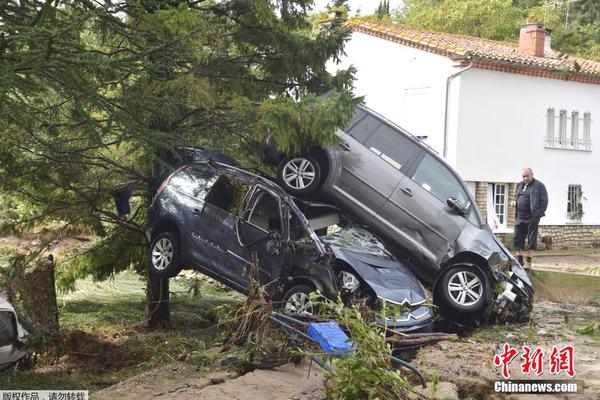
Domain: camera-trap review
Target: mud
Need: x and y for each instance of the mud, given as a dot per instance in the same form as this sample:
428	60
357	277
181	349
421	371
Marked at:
182	381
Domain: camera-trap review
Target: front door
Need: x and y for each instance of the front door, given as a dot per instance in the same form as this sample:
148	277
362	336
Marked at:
258	240
418	211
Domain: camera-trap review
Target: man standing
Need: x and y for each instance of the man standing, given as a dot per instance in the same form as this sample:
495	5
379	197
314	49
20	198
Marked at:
531	201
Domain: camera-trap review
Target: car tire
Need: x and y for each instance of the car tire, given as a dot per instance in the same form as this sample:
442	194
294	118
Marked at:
164	255
296	300
300	175
463	290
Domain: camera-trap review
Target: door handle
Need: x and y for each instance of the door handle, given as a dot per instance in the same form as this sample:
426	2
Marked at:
407	192
196	211
345	146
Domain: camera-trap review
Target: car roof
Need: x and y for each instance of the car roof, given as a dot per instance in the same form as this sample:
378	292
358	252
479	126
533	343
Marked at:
244	176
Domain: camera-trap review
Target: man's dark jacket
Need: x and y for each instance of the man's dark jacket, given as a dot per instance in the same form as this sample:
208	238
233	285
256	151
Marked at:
538	198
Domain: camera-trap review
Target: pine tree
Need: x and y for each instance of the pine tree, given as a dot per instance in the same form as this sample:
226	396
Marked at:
94	94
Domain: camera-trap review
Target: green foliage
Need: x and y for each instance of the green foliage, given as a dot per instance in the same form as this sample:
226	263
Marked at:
368	372
589	329
575	27
383	10
95	95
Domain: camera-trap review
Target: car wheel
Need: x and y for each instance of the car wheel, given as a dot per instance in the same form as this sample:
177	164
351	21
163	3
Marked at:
463	290
297	300
300	175
164	255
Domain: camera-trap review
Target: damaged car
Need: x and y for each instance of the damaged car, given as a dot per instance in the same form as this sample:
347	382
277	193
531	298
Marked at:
409	196
12	336
223	221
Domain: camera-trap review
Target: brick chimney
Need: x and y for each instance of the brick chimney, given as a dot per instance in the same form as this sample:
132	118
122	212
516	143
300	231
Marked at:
532	39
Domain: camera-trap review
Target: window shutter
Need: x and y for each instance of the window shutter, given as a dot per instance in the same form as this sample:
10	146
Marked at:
550	118
587	124
575	129
562	128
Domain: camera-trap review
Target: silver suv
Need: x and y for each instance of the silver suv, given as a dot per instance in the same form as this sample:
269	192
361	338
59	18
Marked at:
407	194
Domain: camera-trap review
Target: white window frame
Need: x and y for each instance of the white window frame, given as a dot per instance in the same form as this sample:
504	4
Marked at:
568	130
498	223
574	194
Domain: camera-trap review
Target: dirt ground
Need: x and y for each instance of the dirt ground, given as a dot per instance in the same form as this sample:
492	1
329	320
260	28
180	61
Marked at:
585	263
464	368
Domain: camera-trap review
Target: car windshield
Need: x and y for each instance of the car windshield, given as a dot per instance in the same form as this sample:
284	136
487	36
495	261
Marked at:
335	229
358	239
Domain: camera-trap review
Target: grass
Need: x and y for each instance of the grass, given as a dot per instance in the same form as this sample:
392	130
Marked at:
103	339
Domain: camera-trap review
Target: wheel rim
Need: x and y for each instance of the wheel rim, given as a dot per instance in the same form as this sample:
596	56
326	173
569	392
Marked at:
299	173
465	288
299	303
162	254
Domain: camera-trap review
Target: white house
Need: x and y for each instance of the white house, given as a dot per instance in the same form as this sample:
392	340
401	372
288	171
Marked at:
490	108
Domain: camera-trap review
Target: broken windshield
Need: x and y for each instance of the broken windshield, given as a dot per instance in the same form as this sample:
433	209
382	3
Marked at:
357	239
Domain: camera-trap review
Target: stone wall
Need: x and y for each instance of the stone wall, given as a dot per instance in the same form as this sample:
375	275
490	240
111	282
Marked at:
563	236
572	235
481	198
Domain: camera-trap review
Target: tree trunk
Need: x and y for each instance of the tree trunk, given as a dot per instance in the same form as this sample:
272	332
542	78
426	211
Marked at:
158	310
34	295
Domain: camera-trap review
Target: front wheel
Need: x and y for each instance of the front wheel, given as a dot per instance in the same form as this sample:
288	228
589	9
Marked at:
297	300
463	290
164	255
300	175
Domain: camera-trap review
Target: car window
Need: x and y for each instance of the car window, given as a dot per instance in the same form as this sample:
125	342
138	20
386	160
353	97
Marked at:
364	128
355	118
229	194
265	213
194	182
8	328
438	180
392	146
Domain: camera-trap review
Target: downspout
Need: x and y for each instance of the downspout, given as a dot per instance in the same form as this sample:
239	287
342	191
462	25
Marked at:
446	105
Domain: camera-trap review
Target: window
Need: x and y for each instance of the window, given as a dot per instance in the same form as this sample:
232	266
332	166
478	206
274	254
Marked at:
568	130
228	194
194	182
437	179
399	151
8	328
364	128
266	213
574	204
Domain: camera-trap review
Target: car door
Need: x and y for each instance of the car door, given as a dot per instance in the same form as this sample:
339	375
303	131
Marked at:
199	223
259	238
422	220
372	161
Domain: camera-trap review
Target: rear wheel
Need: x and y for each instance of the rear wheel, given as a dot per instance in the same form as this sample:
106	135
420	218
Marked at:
463	290
300	175
297	300
164	255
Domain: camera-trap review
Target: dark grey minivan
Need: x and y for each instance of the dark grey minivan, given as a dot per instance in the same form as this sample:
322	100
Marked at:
222	220
420	206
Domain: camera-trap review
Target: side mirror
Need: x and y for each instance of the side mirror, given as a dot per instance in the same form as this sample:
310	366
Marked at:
457	206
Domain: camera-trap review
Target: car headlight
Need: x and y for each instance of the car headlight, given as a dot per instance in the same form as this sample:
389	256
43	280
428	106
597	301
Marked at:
349	281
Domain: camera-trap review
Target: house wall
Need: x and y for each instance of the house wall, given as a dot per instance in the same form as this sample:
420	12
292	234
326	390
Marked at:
502	127
406	85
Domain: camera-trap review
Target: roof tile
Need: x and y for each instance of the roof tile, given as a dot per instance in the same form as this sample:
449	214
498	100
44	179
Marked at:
483	49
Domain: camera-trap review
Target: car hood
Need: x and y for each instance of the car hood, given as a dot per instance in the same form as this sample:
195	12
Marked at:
390	280
484	243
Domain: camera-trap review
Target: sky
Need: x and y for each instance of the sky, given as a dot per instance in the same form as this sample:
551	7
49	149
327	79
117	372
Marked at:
365	6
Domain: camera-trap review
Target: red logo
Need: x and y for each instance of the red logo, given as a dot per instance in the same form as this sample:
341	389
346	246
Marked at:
505	358
561	360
